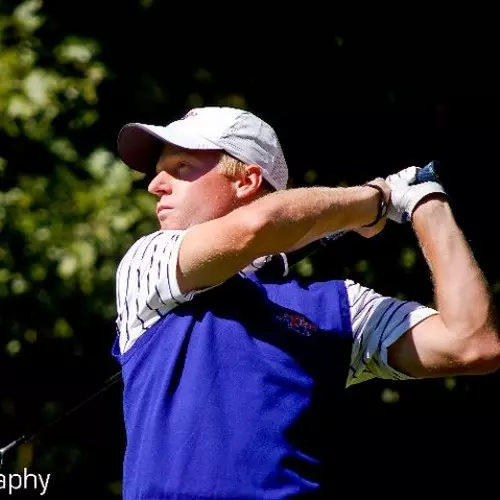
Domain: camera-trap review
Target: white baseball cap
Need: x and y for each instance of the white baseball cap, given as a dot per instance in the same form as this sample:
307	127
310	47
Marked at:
237	132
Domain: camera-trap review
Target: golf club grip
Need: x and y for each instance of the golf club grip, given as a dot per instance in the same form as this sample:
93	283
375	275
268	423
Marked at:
429	173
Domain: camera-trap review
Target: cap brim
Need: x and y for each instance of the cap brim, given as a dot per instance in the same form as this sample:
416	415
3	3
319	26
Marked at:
140	145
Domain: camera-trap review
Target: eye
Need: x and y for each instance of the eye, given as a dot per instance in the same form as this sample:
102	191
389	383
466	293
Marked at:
183	168
177	168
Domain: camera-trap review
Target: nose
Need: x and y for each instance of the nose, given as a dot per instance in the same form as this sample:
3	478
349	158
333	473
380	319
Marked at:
160	184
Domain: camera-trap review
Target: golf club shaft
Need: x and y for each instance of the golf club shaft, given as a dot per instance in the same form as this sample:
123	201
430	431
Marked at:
41	430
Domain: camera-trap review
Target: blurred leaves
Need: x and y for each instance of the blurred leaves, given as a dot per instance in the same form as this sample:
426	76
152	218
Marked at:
32	96
450	383
13	347
408	258
26	16
71	224
67	214
389	396
24	457
310	176
305	267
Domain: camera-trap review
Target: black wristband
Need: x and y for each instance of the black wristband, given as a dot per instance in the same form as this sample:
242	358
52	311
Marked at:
382	205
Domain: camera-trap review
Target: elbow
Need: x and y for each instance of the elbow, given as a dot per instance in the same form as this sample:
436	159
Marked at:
490	360
253	241
482	356
263	235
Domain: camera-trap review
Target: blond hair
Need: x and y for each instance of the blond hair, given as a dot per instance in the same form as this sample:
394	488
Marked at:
231	167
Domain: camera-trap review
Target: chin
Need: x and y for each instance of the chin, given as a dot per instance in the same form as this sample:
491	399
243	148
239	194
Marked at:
165	226
172	225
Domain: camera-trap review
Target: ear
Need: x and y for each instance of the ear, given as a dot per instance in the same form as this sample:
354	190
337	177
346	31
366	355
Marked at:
248	183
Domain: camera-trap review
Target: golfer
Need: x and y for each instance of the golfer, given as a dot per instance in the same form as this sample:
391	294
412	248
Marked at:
231	375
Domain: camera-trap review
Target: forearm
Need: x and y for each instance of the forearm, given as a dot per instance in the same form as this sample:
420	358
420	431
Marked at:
292	218
461	290
279	222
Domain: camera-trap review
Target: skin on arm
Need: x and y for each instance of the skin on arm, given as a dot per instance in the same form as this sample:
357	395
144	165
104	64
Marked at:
463	338
278	222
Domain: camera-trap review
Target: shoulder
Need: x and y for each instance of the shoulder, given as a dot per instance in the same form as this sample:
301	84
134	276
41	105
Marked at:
162	235
146	284
378	320
366	300
155	239
356	290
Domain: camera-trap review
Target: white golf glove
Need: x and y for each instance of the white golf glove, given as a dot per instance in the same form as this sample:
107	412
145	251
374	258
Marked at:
405	194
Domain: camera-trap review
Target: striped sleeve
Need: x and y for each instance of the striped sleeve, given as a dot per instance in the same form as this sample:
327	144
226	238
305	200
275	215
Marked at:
146	285
377	322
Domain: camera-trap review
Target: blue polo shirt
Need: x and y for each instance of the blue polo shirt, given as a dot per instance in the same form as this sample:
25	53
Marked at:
231	395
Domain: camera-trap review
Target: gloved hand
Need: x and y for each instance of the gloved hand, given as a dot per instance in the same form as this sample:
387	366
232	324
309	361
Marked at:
405	195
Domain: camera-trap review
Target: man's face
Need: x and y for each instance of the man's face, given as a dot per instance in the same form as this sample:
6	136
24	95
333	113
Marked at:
190	189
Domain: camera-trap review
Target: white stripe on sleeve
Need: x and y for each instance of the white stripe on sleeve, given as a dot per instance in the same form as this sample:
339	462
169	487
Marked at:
377	322
146	284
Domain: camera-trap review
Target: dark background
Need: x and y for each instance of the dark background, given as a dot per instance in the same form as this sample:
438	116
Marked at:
350	102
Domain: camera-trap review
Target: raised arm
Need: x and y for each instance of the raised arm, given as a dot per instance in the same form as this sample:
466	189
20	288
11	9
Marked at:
464	337
215	250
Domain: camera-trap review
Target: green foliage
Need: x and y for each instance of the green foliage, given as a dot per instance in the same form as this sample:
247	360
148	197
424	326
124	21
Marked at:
67	215
33	96
71	224
305	267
